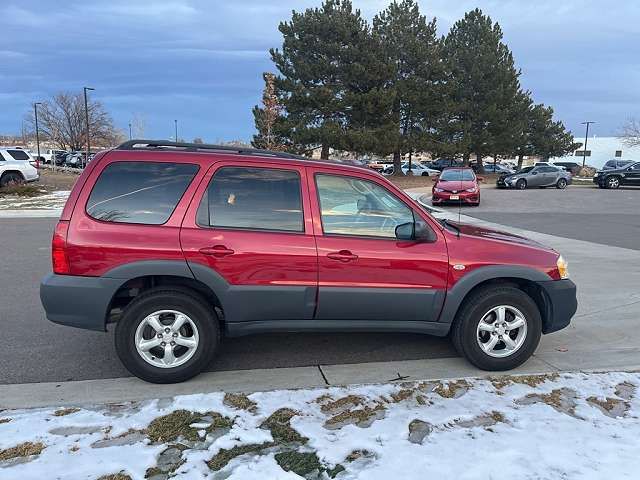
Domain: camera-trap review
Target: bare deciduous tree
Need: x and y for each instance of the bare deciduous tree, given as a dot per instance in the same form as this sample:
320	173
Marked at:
62	121
631	133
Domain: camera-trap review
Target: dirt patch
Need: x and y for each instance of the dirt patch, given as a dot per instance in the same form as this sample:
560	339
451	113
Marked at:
348	402
485	420
530	380
611	407
23	450
4	420
358	454
65	411
419	430
562	400
52	180
239	401
169	461
279	424
224	456
410	181
402	395
360	417
452	389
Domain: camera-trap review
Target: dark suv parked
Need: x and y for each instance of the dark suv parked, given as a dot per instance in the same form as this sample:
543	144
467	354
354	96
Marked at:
629	174
180	244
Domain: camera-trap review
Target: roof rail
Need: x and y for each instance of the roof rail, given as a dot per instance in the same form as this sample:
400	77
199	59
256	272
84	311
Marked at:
195	147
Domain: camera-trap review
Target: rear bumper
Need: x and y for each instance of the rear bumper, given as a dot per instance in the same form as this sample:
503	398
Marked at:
561	303
81	302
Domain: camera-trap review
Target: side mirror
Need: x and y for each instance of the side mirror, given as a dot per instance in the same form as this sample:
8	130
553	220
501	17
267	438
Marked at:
534	173
405	231
480	179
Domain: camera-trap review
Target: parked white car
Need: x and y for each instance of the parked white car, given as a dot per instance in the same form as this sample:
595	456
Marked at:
16	166
417	169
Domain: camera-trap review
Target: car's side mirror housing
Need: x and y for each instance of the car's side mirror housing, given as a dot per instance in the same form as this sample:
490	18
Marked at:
405	231
534	173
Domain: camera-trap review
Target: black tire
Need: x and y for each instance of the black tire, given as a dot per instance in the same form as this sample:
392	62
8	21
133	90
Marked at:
521	184
612	182
201	312
562	183
425	174
9	178
464	329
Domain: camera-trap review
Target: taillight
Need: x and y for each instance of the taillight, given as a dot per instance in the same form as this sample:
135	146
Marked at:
59	249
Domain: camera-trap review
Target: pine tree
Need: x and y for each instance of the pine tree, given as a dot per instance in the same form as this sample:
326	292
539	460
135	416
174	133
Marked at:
268	118
409	46
483	86
548	137
330	82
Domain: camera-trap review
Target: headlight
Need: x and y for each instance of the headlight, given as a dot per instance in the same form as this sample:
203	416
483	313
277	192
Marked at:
438	190
563	267
597	174
471	190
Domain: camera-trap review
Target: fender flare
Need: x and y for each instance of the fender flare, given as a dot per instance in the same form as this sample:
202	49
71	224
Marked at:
459	291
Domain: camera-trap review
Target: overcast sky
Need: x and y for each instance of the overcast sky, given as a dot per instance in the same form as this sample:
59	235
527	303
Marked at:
200	61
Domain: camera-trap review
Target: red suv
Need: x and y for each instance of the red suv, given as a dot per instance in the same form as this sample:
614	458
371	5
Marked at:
178	245
458	185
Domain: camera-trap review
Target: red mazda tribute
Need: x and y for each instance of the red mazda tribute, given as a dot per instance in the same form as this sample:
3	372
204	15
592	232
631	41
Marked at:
178	245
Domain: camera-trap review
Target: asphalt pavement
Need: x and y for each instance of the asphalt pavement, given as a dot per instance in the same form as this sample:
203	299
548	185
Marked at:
35	350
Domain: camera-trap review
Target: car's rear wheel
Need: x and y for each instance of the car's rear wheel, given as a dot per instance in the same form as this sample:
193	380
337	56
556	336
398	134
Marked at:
561	183
521	184
11	178
497	328
613	182
167	335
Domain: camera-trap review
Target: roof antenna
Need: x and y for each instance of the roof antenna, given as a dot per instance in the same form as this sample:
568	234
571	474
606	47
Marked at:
461	172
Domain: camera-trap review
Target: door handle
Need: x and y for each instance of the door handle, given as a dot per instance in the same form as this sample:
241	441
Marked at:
217	251
342	256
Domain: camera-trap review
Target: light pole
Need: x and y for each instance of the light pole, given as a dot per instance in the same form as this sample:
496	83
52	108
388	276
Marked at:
86	115
35	113
175	122
586	139
129	130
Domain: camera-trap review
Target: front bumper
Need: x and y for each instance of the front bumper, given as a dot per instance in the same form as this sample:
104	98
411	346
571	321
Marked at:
82	302
463	197
561	304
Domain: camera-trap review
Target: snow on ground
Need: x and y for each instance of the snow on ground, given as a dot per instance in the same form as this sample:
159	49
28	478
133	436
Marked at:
46	201
567	426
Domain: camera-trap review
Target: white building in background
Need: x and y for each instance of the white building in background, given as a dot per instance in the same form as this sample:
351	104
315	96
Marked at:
601	149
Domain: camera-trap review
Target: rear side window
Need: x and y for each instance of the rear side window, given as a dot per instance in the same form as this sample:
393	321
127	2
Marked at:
253	199
18	154
139	192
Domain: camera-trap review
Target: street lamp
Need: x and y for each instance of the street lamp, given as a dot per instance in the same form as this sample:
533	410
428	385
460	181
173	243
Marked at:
86	115
175	122
35	112
586	139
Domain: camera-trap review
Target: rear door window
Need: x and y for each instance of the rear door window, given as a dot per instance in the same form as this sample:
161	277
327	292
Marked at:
18	154
250	198
139	192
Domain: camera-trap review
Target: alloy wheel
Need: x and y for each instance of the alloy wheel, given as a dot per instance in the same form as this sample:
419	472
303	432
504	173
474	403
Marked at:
166	339
502	331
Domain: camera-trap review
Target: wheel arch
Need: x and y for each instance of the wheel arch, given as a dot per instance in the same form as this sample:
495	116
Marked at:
523	278
12	171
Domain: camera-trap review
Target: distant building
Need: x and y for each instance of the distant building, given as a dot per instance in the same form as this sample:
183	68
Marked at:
599	150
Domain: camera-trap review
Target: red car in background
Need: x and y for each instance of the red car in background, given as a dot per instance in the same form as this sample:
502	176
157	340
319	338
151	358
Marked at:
456	185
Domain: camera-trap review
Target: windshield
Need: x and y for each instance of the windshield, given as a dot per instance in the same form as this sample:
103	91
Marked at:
457	175
525	170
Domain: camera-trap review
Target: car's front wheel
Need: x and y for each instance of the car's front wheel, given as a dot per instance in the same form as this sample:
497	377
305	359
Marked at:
167	335
497	328
521	184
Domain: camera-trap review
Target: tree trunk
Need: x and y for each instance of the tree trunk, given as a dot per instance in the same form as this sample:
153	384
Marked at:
397	163
324	153
465	159
520	159
479	164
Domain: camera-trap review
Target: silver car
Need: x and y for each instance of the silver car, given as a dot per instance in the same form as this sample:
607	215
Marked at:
538	176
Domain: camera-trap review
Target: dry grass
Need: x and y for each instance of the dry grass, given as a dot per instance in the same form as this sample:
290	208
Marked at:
240	401
349	401
173	426
357	454
21	190
115	476
279	424
224	456
402	395
218	421
530	380
25	449
361	417
4	420
451	389
65	411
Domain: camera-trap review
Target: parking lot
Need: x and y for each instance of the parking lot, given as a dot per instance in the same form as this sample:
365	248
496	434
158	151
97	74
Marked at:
597	230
